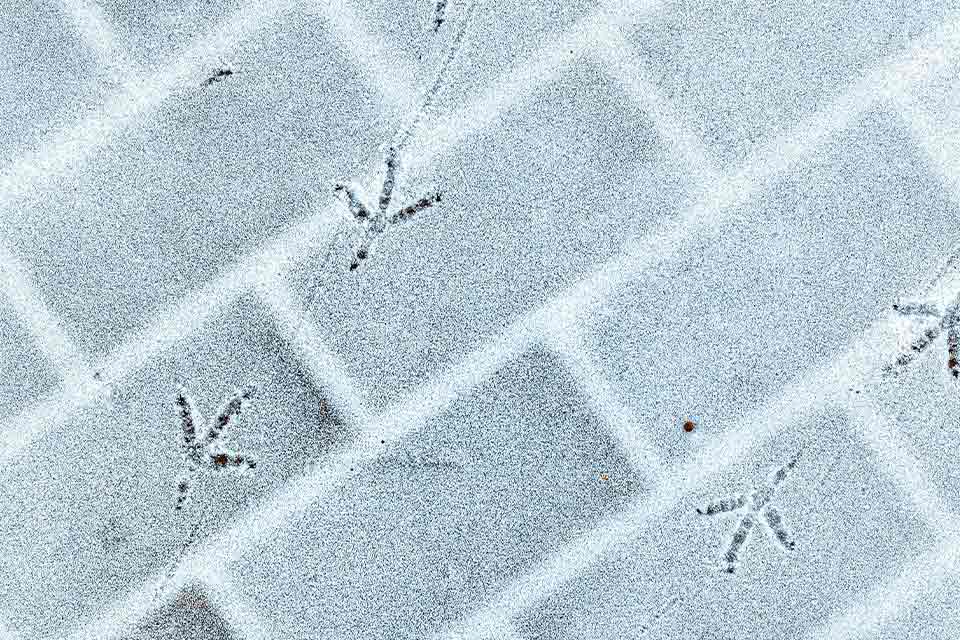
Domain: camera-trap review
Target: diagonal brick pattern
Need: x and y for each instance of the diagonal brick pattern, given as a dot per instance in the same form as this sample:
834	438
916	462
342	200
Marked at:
438	346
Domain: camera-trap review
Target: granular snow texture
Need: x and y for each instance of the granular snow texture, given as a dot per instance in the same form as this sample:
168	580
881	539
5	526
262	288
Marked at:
632	319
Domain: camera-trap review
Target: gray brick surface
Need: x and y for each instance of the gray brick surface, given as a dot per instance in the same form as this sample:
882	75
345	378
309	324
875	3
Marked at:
153	30
528	208
26	376
510	498
807	265
746	70
92	504
190	616
436	524
216	173
851	527
48	77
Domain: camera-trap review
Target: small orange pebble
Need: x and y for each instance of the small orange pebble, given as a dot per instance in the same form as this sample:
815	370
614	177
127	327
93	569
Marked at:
689	425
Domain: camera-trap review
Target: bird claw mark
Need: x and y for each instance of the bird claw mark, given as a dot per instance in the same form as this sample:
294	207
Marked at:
917	309
358	209
423	203
723	506
389	179
366	221
739	539
230	410
948	320
232	459
775	521
439	12
758	501
218	75
371	225
781	473
184	489
207	450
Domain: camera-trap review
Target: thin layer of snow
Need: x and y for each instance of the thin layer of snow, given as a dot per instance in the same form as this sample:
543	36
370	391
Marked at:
651	212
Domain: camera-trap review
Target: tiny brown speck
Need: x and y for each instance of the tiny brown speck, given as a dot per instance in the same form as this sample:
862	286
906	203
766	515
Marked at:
689	425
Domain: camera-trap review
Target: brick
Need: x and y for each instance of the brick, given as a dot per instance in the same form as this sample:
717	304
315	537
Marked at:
109	475
747	70
852	529
48	76
154	30
792	279
25	374
419	536
190	615
218	170
528	207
